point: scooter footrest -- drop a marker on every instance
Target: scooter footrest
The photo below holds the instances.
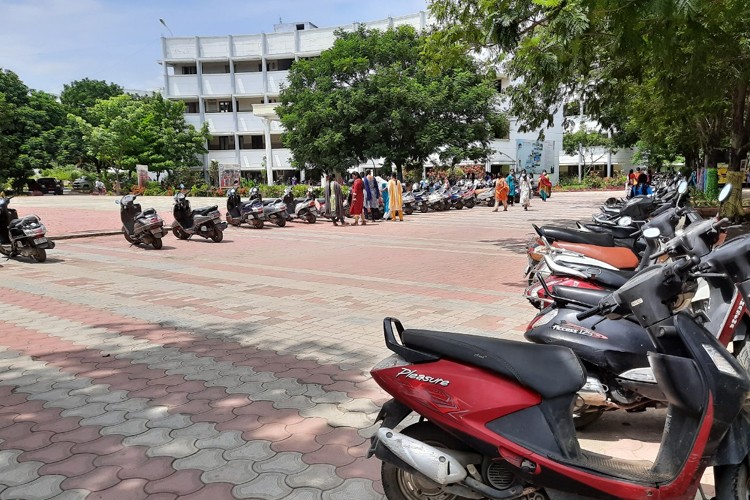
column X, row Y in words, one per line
column 631, row 470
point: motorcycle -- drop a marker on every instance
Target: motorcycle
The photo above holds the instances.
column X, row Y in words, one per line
column 408, row 201
column 140, row 226
column 205, row 222
column 239, row 211
column 469, row 197
column 25, row 236
column 515, row 437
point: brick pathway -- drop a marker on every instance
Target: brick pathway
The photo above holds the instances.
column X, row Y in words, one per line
column 239, row 369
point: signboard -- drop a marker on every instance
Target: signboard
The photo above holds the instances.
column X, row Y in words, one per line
column 229, row 175
column 535, row 156
column 722, row 169
column 143, row 178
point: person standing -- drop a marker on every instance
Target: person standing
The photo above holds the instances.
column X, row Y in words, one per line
column 358, row 199
column 395, row 201
column 545, row 186
column 372, row 195
column 334, row 200
column 501, row 193
column 386, row 198
column 525, row 192
column 511, row 181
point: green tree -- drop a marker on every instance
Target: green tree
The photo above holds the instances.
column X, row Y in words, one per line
column 590, row 144
column 372, row 96
column 81, row 95
column 694, row 50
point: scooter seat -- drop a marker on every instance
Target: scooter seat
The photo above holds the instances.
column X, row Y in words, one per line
column 617, row 257
column 205, row 210
column 583, row 296
column 550, row 370
column 573, row 236
column 606, row 277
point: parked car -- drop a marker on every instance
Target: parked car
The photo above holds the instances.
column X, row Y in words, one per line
column 83, row 184
column 45, row 185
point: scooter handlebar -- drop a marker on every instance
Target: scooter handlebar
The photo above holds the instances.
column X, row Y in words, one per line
column 589, row 312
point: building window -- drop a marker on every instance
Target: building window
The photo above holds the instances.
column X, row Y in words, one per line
column 252, row 142
column 221, row 143
column 280, row 64
column 189, row 70
column 225, row 106
column 191, row 107
column 300, row 27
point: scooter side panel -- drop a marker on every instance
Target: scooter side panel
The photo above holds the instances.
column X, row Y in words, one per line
column 616, row 345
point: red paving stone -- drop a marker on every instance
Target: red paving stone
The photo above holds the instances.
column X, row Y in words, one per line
column 182, row 482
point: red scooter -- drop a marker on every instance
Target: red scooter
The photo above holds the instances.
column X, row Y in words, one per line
column 496, row 414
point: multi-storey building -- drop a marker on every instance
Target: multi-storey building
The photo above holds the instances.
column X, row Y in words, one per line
column 232, row 83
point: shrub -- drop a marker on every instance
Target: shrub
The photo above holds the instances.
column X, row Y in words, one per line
column 67, row 173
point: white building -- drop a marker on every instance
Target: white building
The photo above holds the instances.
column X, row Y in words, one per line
column 233, row 82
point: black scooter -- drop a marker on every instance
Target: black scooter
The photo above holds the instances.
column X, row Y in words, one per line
column 140, row 226
column 205, row 221
column 25, row 236
column 250, row 211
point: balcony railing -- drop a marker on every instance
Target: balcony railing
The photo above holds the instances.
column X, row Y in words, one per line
column 180, row 48
column 249, row 83
column 217, row 84
column 282, row 159
column 226, row 156
column 220, row 122
column 248, row 122
column 275, row 80
column 214, row 46
column 280, row 43
column 183, row 85
column 252, row 159
column 193, row 119
column 247, row 46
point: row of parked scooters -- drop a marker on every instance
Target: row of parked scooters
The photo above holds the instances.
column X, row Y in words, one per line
column 646, row 306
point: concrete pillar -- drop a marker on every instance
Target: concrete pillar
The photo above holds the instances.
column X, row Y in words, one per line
column 269, row 151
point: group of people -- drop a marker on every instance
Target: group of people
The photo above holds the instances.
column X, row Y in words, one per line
column 639, row 183
column 366, row 198
column 505, row 189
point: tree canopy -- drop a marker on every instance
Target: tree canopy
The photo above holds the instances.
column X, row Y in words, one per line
column 372, row 96
column 81, row 95
column 679, row 71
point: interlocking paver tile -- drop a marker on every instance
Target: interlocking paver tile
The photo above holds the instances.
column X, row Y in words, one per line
column 152, row 437
column 286, row 463
column 227, row 440
column 75, row 465
column 269, row 486
column 320, row 476
column 177, row 447
column 16, row 475
column 182, row 482
column 39, row 489
column 205, row 460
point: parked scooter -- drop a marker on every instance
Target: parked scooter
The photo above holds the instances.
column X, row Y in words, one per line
column 238, row 211
column 205, row 222
column 274, row 211
column 26, row 236
column 299, row 209
column 408, row 201
column 138, row 225
column 515, row 437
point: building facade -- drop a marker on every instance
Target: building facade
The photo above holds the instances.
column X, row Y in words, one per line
column 232, row 83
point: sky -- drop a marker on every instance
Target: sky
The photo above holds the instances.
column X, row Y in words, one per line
column 49, row 43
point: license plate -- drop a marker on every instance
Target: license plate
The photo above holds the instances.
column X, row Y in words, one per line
column 40, row 240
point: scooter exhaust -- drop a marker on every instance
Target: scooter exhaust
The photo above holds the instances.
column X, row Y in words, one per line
column 429, row 461
column 593, row 393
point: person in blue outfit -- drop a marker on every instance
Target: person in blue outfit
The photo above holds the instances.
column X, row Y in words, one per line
column 511, row 180
column 384, row 195
column 642, row 188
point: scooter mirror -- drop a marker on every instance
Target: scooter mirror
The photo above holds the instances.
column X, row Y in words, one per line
column 117, row 202
column 651, row 233
column 625, row 221
column 682, row 188
column 724, row 194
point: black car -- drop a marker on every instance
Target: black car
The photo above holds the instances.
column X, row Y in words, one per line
column 45, row 185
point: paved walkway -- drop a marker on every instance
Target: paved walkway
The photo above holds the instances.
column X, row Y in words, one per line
column 240, row 369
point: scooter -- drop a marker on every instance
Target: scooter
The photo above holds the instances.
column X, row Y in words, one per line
column 140, row 226
column 274, row 211
column 205, row 222
column 469, row 196
column 495, row 415
column 26, row 236
column 299, row 209
column 408, row 201
column 239, row 211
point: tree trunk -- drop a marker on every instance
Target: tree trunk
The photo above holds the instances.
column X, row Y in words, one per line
column 737, row 151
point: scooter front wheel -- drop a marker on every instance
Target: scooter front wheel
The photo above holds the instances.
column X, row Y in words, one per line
column 257, row 224
column 399, row 484
column 179, row 233
column 423, row 208
column 126, row 235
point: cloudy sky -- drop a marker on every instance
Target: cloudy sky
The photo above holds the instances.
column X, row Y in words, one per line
column 52, row 42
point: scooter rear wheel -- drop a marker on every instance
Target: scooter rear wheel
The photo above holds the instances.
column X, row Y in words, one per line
column 218, row 235
column 732, row 481
column 280, row 221
column 586, row 417
column 423, row 208
column 39, row 255
column 310, row 218
column 399, row 484
column 257, row 224
column 408, row 210
column 157, row 243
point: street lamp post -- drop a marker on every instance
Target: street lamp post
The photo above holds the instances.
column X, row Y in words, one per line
column 164, row 23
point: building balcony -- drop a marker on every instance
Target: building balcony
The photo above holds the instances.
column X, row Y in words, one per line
column 247, row 46
column 183, row 86
column 219, row 85
column 252, row 159
column 282, row 159
column 220, row 122
column 275, row 80
column 214, row 47
column 227, row 157
column 249, row 83
column 248, row 122
column 193, row 119
column 180, row 48
column 280, row 43
column 317, row 40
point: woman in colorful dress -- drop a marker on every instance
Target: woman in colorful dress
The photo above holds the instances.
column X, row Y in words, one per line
column 358, row 199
